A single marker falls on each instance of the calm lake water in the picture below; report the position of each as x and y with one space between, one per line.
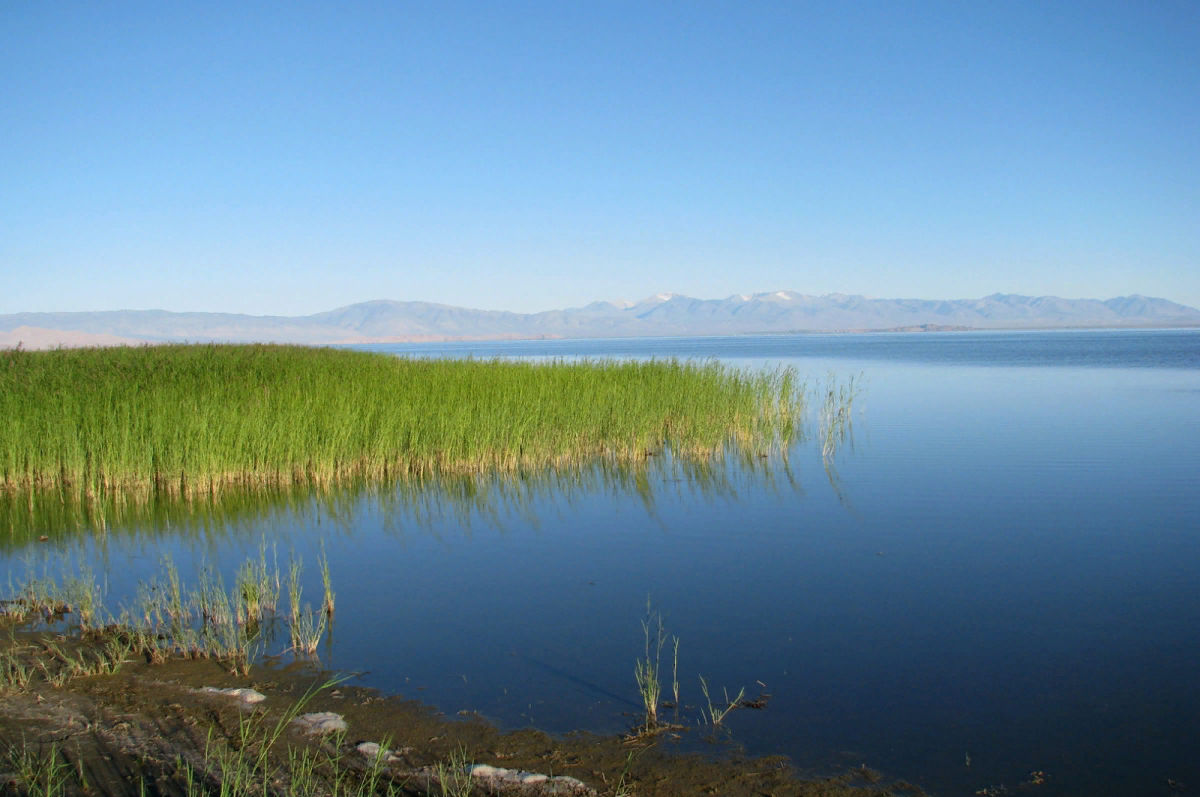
999 572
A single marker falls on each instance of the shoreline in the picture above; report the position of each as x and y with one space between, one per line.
143 729
43 339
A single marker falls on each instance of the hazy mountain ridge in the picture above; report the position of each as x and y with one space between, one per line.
661 314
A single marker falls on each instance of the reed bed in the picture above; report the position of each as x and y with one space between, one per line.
196 418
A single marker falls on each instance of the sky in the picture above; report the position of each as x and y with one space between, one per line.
290 158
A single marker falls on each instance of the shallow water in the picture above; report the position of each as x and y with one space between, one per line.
1001 563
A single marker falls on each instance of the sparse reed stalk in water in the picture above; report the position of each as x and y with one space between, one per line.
294 588
307 628
646 671
675 672
327 582
257 589
205 622
717 715
175 607
835 419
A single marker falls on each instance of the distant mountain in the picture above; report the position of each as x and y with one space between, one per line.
661 314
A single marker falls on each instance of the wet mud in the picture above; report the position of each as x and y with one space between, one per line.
150 730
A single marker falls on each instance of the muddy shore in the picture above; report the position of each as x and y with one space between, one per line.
151 730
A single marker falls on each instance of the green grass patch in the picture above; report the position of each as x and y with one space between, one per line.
197 418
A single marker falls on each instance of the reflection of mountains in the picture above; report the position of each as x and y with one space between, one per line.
494 500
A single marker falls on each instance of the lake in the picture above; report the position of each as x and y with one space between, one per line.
996 571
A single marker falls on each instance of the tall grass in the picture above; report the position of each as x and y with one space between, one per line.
647 671
717 715
194 418
39 775
835 418
168 619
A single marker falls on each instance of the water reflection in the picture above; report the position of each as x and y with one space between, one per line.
62 513
464 500
528 616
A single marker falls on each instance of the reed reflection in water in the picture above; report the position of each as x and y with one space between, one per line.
466 498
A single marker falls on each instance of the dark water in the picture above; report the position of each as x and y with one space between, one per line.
1002 563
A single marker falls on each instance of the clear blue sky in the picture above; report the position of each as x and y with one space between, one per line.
293 157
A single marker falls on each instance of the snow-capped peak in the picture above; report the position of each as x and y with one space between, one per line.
658 298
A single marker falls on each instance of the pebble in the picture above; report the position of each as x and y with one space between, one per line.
371 750
321 722
561 784
248 696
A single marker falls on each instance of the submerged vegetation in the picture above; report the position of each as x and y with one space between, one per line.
835 418
213 440
256 747
168 620
196 418
647 673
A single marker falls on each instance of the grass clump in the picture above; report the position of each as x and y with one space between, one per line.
168 619
647 671
304 626
453 775
257 759
194 418
36 774
717 714
326 583
834 417
307 629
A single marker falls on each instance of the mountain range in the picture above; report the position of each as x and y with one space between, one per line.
662 314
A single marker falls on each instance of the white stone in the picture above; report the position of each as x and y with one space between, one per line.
320 722
243 694
532 783
372 750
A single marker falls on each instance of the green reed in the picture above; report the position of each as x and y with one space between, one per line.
168 619
195 418
834 417
259 590
717 715
35 773
647 671
306 629
326 583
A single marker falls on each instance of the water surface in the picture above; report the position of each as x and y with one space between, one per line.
1002 562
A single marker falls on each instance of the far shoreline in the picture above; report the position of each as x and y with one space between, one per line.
41 339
